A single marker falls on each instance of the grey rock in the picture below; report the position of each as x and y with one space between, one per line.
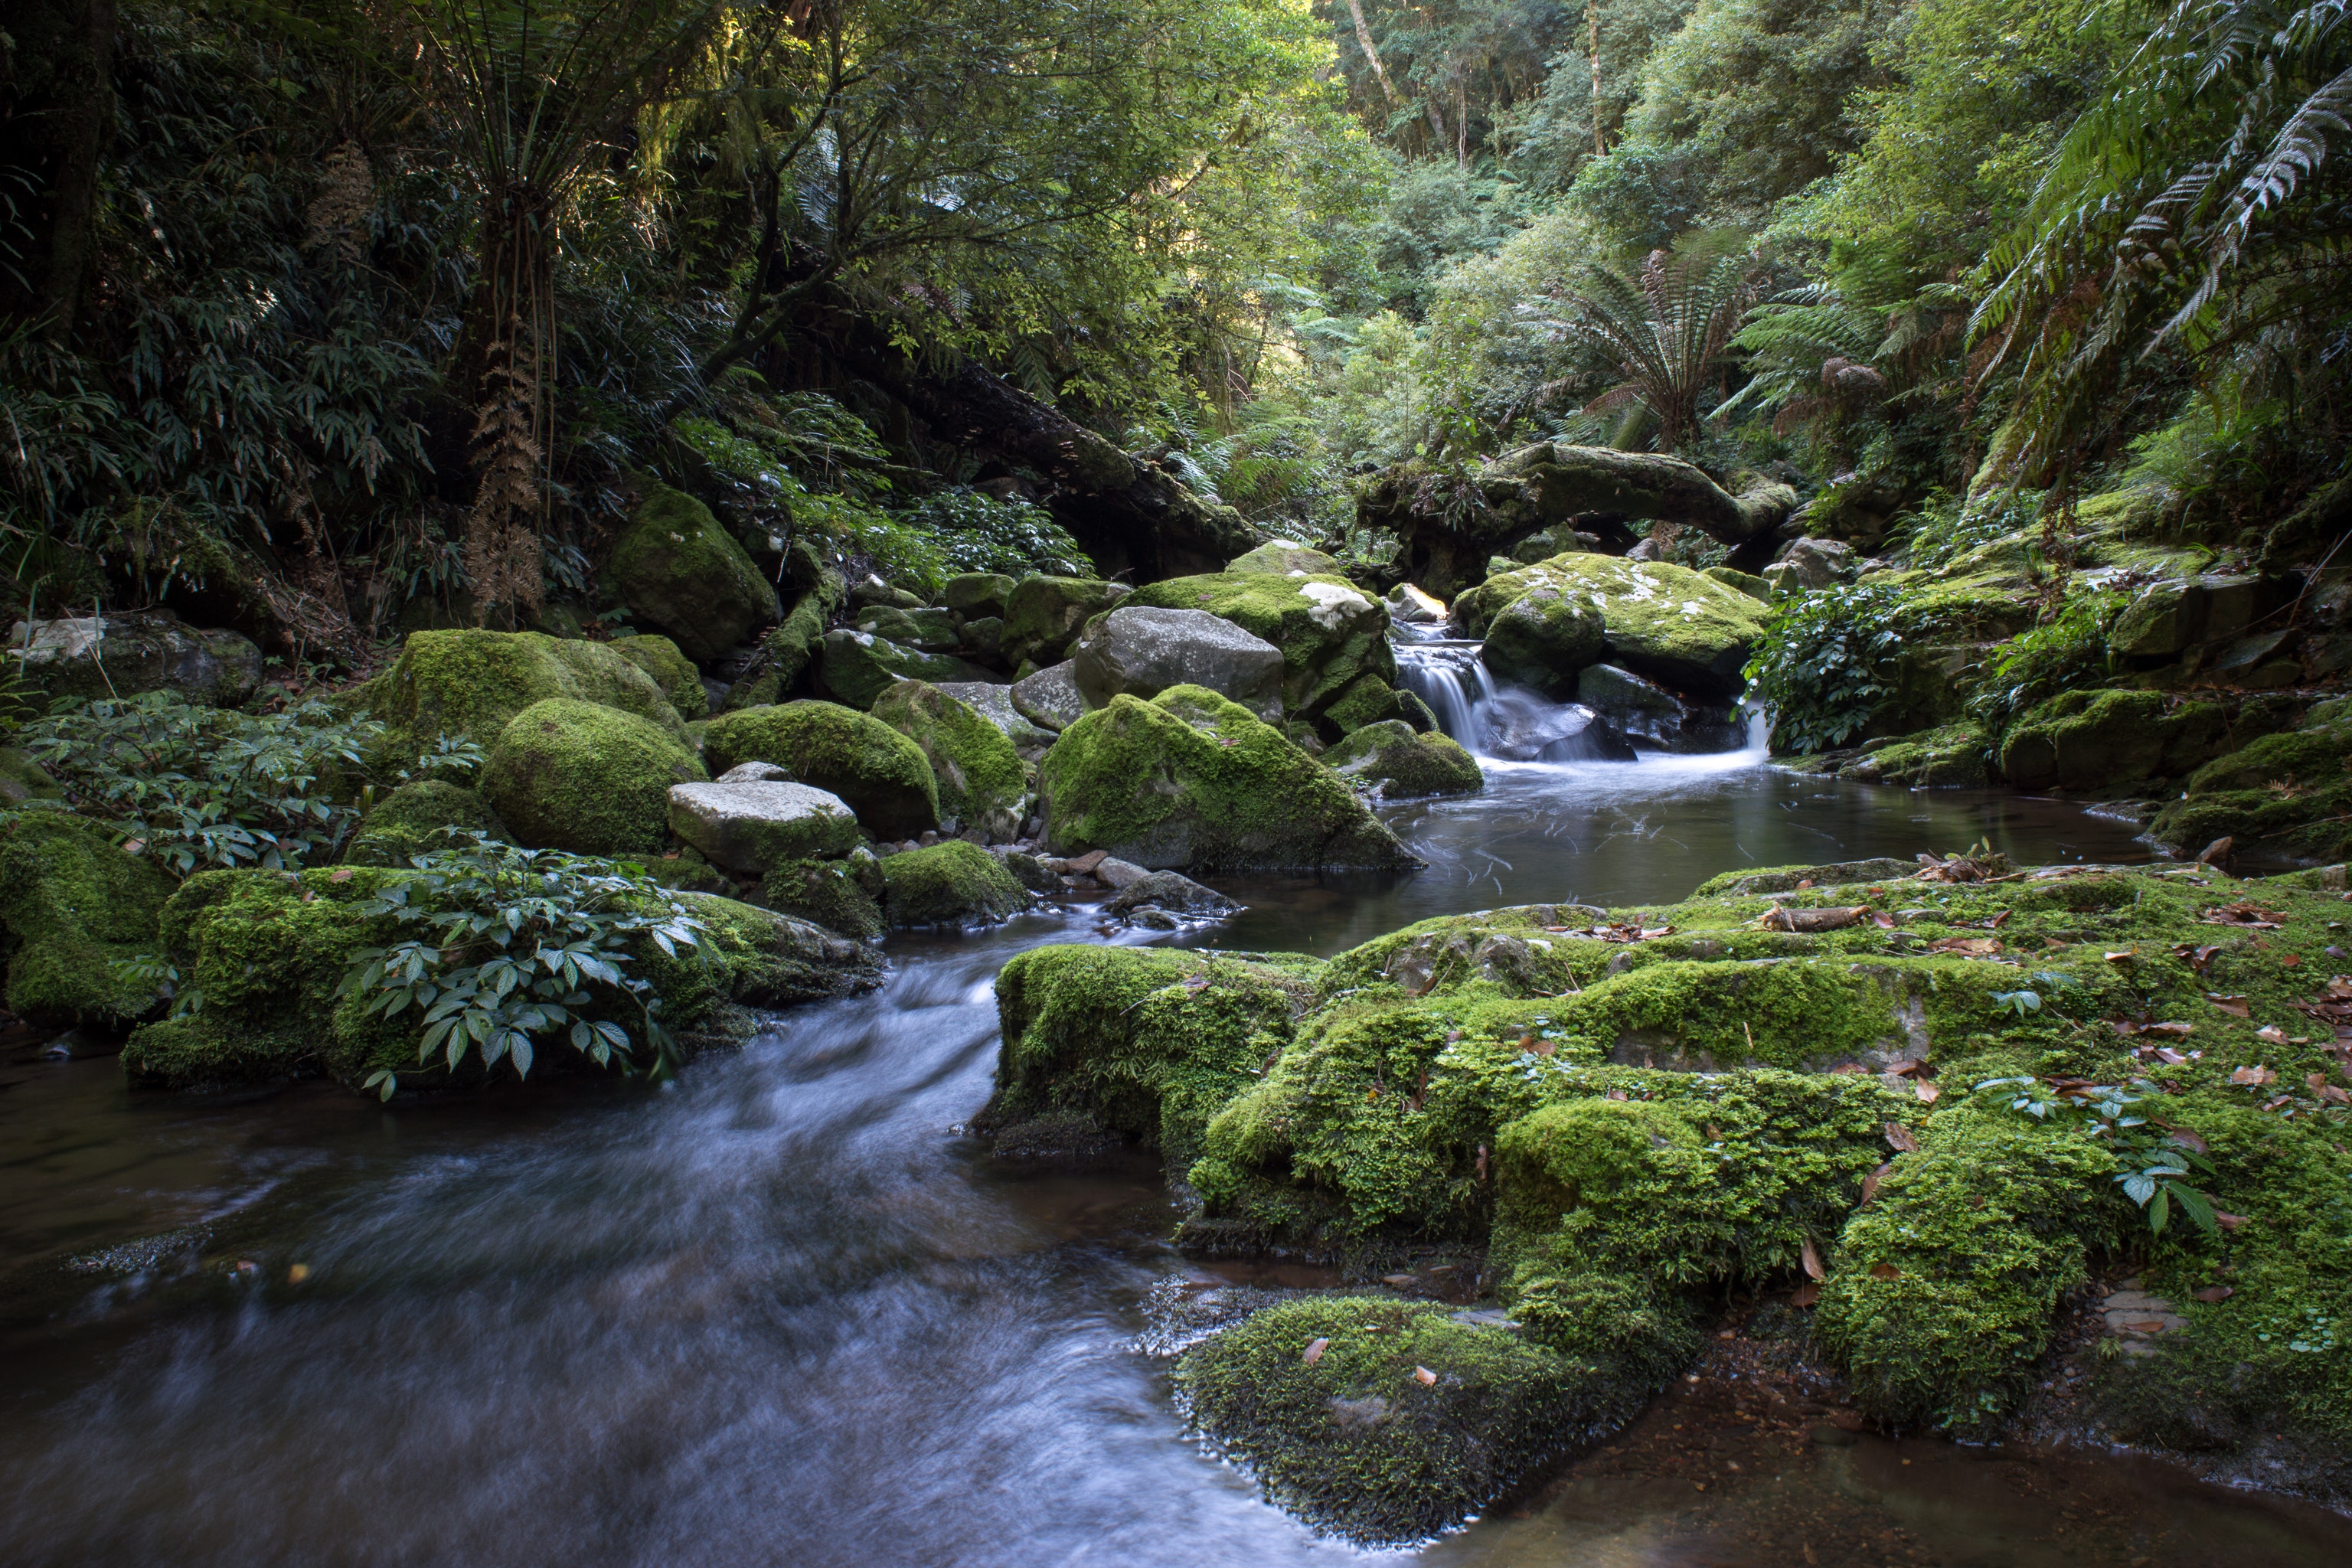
1140 652
1028 870
854 667
977 594
751 824
926 631
123 655
992 700
1050 697
1113 872
1808 563
1170 893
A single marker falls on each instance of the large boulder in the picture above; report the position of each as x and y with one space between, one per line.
472 682
1050 697
1284 559
1664 621
953 883
977 595
1544 638
1805 564
882 775
2167 617
684 573
123 655
992 700
842 895
924 630
414 820
856 668
751 819
566 774
1042 614
2102 740
1330 632
983 784
671 670
1142 651
1190 779
1404 763
74 904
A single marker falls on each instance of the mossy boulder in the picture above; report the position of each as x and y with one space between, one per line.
856 668
1404 763
1385 1421
949 883
1544 639
1044 614
1138 1045
883 776
841 895
2105 740
1282 558
472 682
1191 780
925 630
565 775
2282 795
410 821
1952 757
1666 622
1330 632
73 904
1368 699
993 701
982 783
685 574
977 595
786 652
671 670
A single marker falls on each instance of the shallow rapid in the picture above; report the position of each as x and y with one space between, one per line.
784 1313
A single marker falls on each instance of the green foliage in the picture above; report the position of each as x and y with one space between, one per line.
974 532
205 787
520 944
2064 653
2153 1163
1820 666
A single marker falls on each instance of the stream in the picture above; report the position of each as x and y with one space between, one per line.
783 1312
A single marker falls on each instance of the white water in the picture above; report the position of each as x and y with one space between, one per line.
1507 726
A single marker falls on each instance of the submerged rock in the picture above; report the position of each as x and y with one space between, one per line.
1163 901
1192 779
1528 732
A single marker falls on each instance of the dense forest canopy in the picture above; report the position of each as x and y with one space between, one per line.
338 319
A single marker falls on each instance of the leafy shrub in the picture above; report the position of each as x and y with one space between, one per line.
977 532
2153 1163
204 787
1820 667
2068 651
521 945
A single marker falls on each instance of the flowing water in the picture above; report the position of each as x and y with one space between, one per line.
784 1312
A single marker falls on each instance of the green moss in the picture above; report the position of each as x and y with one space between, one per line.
23 779
1404 763
684 573
671 670
1192 779
2099 740
595 781
1544 639
881 775
198 1050
982 783
1144 1043
1367 699
1042 616
73 905
1951 757
786 652
950 883
1331 633
409 821
1944 1289
473 683
855 668
1357 1442
838 895
1666 622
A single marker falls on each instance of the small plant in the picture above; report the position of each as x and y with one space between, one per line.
2154 1165
2066 651
1822 666
976 532
521 945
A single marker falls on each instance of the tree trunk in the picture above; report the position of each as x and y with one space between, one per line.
87 94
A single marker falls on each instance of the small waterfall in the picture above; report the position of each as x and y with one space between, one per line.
1505 723
1449 677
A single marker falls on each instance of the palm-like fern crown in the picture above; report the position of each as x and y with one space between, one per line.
1664 328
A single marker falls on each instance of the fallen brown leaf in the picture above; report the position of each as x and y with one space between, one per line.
2227 1220
1780 917
1899 1138
2124 957
1424 1376
1870 1183
2233 1005
2214 1293
1928 1092
1885 1271
1812 1259
2256 1076
1314 1349
2271 1034
2289 961
1805 1295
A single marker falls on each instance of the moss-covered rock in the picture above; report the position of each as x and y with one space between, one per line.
1386 1421
1281 558
839 895
124 654
982 783
2105 740
2283 795
1544 639
1404 763
73 905
671 670
23 779
924 630
1368 699
411 819
883 777
1330 632
203 1050
786 652
1952 757
473 683
565 775
949 883
684 573
977 595
1667 622
856 668
1044 614
1192 779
